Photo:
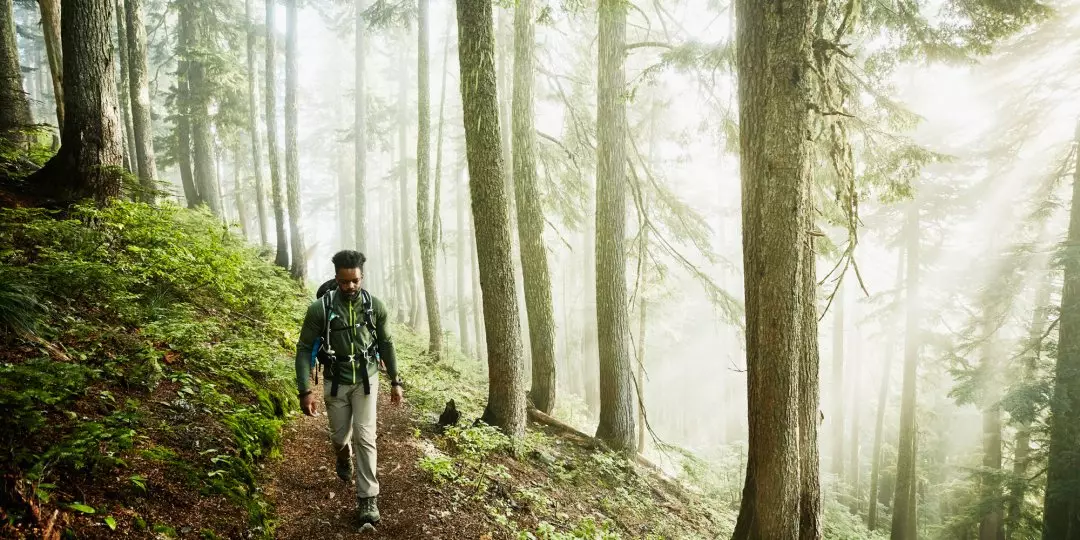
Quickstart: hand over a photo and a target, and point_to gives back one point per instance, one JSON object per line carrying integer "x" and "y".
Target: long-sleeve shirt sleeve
{"x": 385, "y": 340}
{"x": 309, "y": 331}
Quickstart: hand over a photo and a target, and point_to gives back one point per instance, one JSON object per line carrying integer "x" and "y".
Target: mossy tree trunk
{"x": 424, "y": 209}
{"x": 50, "y": 25}
{"x": 781, "y": 498}
{"x": 253, "y": 125}
{"x": 139, "y": 87}
{"x": 616, "y": 425}
{"x": 530, "y": 218}
{"x": 90, "y": 155}
{"x": 491, "y": 207}
{"x": 298, "y": 267}
{"x": 276, "y": 185}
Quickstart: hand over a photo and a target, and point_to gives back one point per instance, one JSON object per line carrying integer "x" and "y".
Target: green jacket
{"x": 348, "y": 335}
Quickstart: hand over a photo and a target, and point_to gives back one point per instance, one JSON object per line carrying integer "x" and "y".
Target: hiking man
{"x": 346, "y": 330}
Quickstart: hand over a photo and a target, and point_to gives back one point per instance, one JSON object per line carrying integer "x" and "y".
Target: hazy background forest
{"x": 942, "y": 184}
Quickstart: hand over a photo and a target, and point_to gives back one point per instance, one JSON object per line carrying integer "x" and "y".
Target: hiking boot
{"x": 369, "y": 510}
{"x": 344, "y": 468}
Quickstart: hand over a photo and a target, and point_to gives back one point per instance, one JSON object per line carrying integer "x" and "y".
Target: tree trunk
{"x": 856, "y": 408}
{"x": 199, "y": 111}
{"x": 992, "y": 524}
{"x": 253, "y": 126}
{"x": 1022, "y": 448}
{"x": 589, "y": 363}
{"x": 344, "y": 220}
{"x": 50, "y": 25}
{"x": 477, "y": 294}
{"x": 406, "y": 270}
{"x": 14, "y": 106}
{"x": 904, "y": 500}
{"x": 90, "y": 153}
{"x": 464, "y": 270}
{"x": 490, "y": 205}
{"x": 122, "y": 89}
{"x": 238, "y": 193}
{"x": 140, "y": 99}
{"x": 277, "y": 187}
{"x": 1062, "y": 504}
{"x": 292, "y": 153}
{"x": 837, "y": 389}
{"x": 183, "y": 137}
{"x": 642, "y": 317}
{"x": 423, "y": 186}
{"x": 534, "y": 262}
{"x": 781, "y": 498}
{"x": 616, "y": 425}
{"x": 809, "y": 397}
{"x": 360, "y": 132}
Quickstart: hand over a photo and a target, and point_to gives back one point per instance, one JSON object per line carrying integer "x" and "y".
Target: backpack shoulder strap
{"x": 369, "y": 315}
{"x": 328, "y": 303}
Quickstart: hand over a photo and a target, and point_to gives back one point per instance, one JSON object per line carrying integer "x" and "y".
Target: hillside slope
{"x": 141, "y": 374}
{"x": 471, "y": 481}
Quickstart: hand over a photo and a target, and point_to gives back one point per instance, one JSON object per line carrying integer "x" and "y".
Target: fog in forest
{"x": 941, "y": 188}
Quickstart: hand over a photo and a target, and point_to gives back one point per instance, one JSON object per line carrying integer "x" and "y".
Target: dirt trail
{"x": 302, "y": 482}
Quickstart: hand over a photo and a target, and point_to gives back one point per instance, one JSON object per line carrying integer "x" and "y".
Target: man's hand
{"x": 308, "y": 404}
{"x": 395, "y": 395}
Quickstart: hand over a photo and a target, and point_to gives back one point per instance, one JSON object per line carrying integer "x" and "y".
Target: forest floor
{"x": 471, "y": 482}
{"x": 312, "y": 502}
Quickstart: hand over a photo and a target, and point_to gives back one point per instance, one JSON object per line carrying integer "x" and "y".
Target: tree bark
{"x": 140, "y": 99}
{"x": 199, "y": 109}
{"x": 122, "y": 89}
{"x": 837, "y": 389}
{"x": 238, "y": 193}
{"x": 90, "y": 153}
{"x": 424, "y": 209}
{"x": 277, "y": 187}
{"x": 50, "y": 25}
{"x": 406, "y": 270}
{"x": 298, "y": 268}
{"x": 14, "y": 105}
{"x": 183, "y": 109}
{"x": 253, "y": 125}
{"x": 534, "y": 262}
{"x": 903, "y": 505}
{"x": 809, "y": 397}
{"x": 616, "y": 426}
{"x": 360, "y": 131}
{"x": 477, "y": 295}
{"x": 781, "y": 498}
{"x": 1062, "y": 504}
{"x": 464, "y": 270}
{"x": 490, "y": 205}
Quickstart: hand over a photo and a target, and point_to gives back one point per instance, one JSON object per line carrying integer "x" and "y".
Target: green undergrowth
{"x": 551, "y": 486}
{"x": 143, "y": 358}
{"x": 544, "y": 486}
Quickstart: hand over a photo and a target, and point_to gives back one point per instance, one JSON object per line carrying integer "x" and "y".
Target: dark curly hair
{"x": 348, "y": 259}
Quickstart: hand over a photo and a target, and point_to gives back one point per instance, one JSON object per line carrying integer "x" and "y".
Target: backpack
{"x": 321, "y": 350}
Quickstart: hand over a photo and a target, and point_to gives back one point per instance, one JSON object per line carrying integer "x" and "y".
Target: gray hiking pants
{"x": 352, "y": 427}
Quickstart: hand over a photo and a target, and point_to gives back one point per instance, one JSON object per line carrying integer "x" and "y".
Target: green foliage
{"x": 586, "y": 529}
{"x": 136, "y": 295}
